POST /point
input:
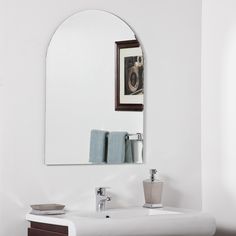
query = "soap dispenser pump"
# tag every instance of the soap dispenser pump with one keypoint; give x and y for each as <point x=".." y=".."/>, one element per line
<point x="152" y="191"/>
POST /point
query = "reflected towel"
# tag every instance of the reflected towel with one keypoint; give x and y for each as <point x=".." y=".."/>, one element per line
<point x="128" y="151"/>
<point x="116" y="147"/>
<point x="119" y="149"/>
<point x="137" y="150"/>
<point x="98" y="146"/>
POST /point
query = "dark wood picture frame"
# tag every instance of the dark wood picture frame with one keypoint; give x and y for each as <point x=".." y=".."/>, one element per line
<point x="118" y="105"/>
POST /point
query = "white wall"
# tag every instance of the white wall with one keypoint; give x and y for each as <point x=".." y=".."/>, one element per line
<point x="170" y="33"/>
<point x="219" y="112"/>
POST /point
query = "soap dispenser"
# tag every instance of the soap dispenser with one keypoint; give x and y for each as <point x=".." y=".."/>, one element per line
<point x="152" y="191"/>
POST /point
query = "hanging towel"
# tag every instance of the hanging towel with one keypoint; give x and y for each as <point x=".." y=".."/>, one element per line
<point x="137" y="150"/>
<point x="128" y="151"/>
<point x="116" y="147"/>
<point x="119" y="148"/>
<point x="98" y="146"/>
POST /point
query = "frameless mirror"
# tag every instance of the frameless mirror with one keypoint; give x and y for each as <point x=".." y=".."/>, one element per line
<point x="94" y="92"/>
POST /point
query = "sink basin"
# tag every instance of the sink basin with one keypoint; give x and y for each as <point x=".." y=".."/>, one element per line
<point x="136" y="221"/>
<point x="127" y="213"/>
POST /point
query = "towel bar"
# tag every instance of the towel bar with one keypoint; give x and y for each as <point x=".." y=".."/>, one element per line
<point x="137" y="136"/>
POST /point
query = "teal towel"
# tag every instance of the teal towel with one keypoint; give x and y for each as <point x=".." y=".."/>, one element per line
<point x="119" y="150"/>
<point x="98" y="146"/>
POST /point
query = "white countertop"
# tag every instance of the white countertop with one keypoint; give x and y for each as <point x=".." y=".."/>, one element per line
<point x="133" y="222"/>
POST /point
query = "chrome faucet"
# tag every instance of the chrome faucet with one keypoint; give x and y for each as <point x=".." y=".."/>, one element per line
<point x="101" y="198"/>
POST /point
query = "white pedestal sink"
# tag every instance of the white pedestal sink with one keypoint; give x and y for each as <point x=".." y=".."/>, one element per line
<point x="136" y="221"/>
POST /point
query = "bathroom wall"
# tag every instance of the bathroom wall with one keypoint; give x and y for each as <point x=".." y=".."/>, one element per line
<point x="170" y="31"/>
<point x="219" y="112"/>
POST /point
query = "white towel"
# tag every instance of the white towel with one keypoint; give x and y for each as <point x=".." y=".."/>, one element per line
<point x="137" y="150"/>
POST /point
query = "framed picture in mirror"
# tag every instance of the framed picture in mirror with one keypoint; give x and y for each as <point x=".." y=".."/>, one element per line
<point x="129" y="86"/>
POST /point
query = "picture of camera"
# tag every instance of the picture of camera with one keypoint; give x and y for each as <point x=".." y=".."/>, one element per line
<point x="133" y="75"/>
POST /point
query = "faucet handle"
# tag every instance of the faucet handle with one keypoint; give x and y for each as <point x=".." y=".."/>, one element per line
<point x="108" y="199"/>
<point x="101" y="190"/>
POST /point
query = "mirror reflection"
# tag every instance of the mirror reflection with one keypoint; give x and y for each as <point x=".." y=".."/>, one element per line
<point x="94" y="92"/>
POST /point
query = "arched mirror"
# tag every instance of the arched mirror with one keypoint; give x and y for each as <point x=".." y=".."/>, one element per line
<point x="94" y="92"/>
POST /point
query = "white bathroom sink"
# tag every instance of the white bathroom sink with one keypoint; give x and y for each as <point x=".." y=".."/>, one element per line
<point x="127" y="213"/>
<point x="136" y="221"/>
